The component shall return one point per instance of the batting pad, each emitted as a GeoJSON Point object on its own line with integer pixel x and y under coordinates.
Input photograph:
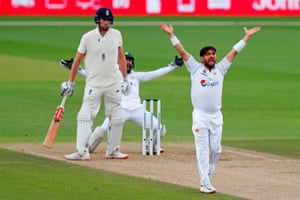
{"type": "Point", "coordinates": [114, 137]}
{"type": "Point", "coordinates": [84, 129]}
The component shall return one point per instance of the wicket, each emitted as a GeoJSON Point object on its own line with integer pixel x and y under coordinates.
{"type": "Point", "coordinates": [150, 103]}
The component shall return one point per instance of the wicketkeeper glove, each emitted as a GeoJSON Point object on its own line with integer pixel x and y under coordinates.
{"type": "Point", "coordinates": [178, 62]}
{"type": "Point", "coordinates": [67, 63]}
{"type": "Point", "coordinates": [125, 86]}
{"type": "Point", "coordinates": [67, 88]}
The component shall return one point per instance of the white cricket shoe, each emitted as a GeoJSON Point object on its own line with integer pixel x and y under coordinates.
{"type": "Point", "coordinates": [207, 189]}
{"type": "Point", "coordinates": [78, 156]}
{"type": "Point", "coordinates": [116, 155]}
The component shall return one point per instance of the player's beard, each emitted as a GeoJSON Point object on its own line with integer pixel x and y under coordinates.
{"type": "Point", "coordinates": [210, 64]}
{"type": "Point", "coordinates": [129, 68]}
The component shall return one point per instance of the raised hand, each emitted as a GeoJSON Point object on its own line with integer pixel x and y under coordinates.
{"type": "Point", "coordinates": [250, 32]}
{"type": "Point", "coordinates": [166, 28]}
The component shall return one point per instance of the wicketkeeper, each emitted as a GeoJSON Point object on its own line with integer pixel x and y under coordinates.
{"type": "Point", "coordinates": [131, 102]}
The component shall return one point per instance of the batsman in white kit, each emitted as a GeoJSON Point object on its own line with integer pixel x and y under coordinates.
{"type": "Point", "coordinates": [102, 51]}
{"type": "Point", "coordinates": [132, 107]}
{"type": "Point", "coordinates": [206, 95]}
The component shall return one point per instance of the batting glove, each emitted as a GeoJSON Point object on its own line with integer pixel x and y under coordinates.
{"type": "Point", "coordinates": [125, 86]}
{"type": "Point", "coordinates": [67, 88]}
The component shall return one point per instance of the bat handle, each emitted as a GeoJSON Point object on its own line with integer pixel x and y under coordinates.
{"type": "Point", "coordinates": [63, 101]}
{"type": "Point", "coordinates": [60, 110]}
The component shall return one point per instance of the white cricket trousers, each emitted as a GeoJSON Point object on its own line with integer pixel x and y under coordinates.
{"type": "Point", "coordinates": [207, 138]}
{"type": "Point", "coordinates": [89, 109]}
{"type": "Point", "coordinates": [136, 116]}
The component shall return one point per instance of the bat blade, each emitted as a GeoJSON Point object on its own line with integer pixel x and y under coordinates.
{"type": "Point", "coordinates": [54, 125]}
{"type": "Point", "coordinates": [51, 134]}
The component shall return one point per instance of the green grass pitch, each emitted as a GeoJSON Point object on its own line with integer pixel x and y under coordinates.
{"type": "Point", "coordinates": [260, 98]}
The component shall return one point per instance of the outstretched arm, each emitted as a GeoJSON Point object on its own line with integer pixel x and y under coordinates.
{"type": "Point", "coordinates": [237, 48]}
{"type": "Point", "coordinates": [150, 75]}
{"type": "Point", "coordinates": [176, 43]}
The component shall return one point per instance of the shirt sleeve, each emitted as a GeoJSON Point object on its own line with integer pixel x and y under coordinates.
{"type": "Point", "coordinates": [119, 36]}
{"type": "Point", "coordinates": [82, 45]}
{"type": "Point", "coordinates": [224, 65]}
{"type": "Point", "coordinates": [121, 41]}
{"type": "Point", "coordinates": [192, 65]}
{"type": "Point", "coordinates": [150, 75]}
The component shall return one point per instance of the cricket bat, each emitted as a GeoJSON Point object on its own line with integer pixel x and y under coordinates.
{"type": "Point", "coordinates": [55, 123]}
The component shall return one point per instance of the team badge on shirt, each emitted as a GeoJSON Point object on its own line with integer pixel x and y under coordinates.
{"type": "Point", "coordinates": [203, 72]}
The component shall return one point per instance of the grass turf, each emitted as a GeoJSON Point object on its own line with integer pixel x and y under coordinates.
{"type": "Point", "coordinates": [28, 177]}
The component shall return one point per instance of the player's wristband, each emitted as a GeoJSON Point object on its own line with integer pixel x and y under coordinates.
{"type": "Point", "coordinates": [239, 46]}
{"type": "Point", "coordinates": [174, 40]}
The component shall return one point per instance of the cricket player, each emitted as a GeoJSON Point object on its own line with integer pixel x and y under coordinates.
{"type": "Point", "coordinates": [132, 107]}
{"type": "Point", "coordinates": [206, 94]}
{"type": "Point", "coordinates": [102, 51]}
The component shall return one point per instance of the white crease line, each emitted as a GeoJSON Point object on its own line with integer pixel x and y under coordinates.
{"type": "Point", "coordinates": [43, 155]}
{"type": "Point", "coordinates": [251, 155]}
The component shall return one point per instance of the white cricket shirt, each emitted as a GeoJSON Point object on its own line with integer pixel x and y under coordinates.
{"type": "Point", "coordinates": [207, 86]}
{"type": "Point", "coordinates": [132, 101]}
{"type": "Point", "coordinates": [101, 59]}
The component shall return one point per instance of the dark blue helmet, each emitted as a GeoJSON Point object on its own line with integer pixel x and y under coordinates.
{"type": "Point", "coordinates": [104, 13]}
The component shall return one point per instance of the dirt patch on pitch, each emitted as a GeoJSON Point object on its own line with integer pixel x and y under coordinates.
{"type": "Point", "coordinates": [239, 172]}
